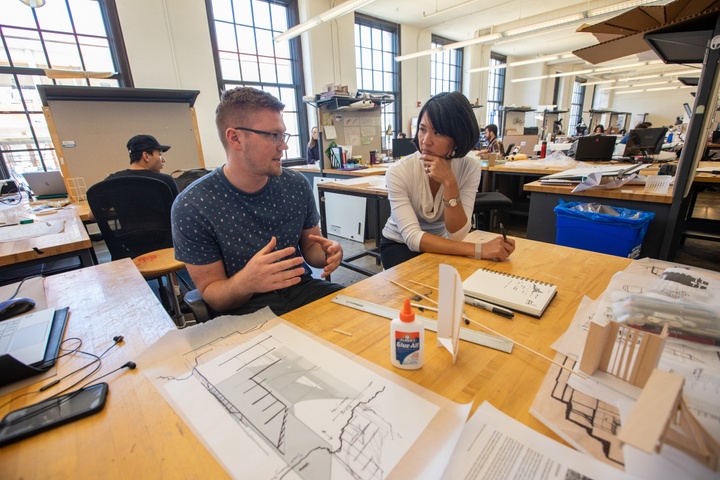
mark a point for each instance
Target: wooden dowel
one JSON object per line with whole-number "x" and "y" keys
{"x": 413, "y": 291}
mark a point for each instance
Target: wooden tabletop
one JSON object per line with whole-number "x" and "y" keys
{"x": 364, "y": 172}
{"x": 355, "y": 186}
{"x": 509, "y": 381}
{"x": 72, "y": 239}
{"x": 627, "y": 192}
{"x": 137, "y": 435}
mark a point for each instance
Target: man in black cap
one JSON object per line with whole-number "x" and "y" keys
{"x": 146, "y": 159}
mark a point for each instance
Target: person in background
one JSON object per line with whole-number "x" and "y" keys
{"x": 401, "y": 135}
{"x": 147, "y": 160}
{"x": 599, "y": 129}
{"x": 639, "y": 125}
{"x": 313, "y": 148}
{"x": 494, "y": 145}
{"x": 247, "y": 230}
{"x": 432, "y": 192}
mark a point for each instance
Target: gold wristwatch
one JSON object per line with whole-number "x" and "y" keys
{"x": 453, "y": 202}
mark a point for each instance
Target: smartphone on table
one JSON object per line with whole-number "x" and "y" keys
{"x": 53, "y": 412}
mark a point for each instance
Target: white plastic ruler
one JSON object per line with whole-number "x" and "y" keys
{"x": 466, "y": 334}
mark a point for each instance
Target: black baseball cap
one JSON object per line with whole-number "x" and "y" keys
{"x": 143, "y": 143}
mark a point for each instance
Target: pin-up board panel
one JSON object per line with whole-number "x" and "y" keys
{"x": 90, "y": 130}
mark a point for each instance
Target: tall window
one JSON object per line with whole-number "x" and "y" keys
{"x": 576, "y": 105}
{"x": 496, "y": 89}
{"x": 246, "y": 55}
{"x": 61, "y": 35}
{"x": 445, "y": 68}
{"x": 376, "y": 46}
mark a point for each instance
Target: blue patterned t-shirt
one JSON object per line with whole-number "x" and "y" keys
{"x": 212, "y": 220}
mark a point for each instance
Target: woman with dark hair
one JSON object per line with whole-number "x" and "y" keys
{"x": 432, "y": 192}
{"x": 599, "y": 129}
{"x": 313, "y": 150}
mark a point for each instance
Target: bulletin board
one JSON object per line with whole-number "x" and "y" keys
{"x": 90, "y": 127}
{"x": 361, "y": 129}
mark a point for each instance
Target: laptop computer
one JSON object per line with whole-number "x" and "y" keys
{"x": 595, "y": 147}
{"x": 32, "y": 345}
{"x": 26, "y": 337}
{"x": 46, "y": 184}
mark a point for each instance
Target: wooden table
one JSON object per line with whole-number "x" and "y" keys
{"x": 72, "y": 242}
{"x": 509, "y": 381}
{"x": 139, "y": 435}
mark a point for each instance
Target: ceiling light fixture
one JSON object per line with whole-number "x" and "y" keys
{"x": 545, "y": 58}
{"x": 617, "y": 7}
{"x": 449, "y": 46}
{"x": 33, "y": 3}
{"x": 599, "y": 82}
{"x": 335, "y": 12}
{"x": 542, "y": 25}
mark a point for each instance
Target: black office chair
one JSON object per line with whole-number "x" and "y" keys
{"x": 485, "y": 204}
{"x": 133, "y": 214}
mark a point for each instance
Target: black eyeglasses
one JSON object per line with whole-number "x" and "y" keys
{"x": 277, "y": 137}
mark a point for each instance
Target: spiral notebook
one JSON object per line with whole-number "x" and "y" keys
{"x": 521, "y": 294}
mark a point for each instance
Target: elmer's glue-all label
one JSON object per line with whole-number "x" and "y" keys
{"x": 407, "y": 340}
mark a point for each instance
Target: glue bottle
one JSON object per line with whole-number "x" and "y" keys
{"x": 407, "y": 340}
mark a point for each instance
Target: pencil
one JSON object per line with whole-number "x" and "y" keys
{"x": 502, "y": 230}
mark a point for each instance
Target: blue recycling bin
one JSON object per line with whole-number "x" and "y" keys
{"x": 602, "y": 228}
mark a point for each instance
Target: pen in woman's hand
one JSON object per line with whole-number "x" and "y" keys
{"x": 502, "y": 230}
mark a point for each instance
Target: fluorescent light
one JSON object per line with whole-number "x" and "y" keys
{"x": 298, "y": 29}
{"x": 527, "y": 79}
{"x": 546, "y": 58}
{"x": 599, "y": 82}
{"x": 567, "y": 74}
{"x": 623, "y": 92}
{"x": 33, "y": 3}
{"x": 542, "y": 25}
{"x": 410, "y": 56}
{"x": 472, "y": 41}
{"x": 449, "y": 46}
{"x": 339, "y": 11}
{"x": 489, "y": 67}
{"x": 658, "y": 89}
{"x": 627, "y": 67}
{"x": 617, "y": 7}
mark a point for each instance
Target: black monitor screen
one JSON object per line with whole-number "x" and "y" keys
{"x": 644, "y": 141}
{"x": 402, "y": 147}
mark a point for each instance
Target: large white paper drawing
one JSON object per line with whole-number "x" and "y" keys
{"x": 271, "y": 402}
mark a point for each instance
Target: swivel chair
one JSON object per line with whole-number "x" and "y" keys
{"x": 133, "y": 214}
{"x": 485, "y": 204}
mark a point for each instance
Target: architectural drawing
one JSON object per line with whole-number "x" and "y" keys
{"x": 273, "y": 403}
{"x": 586, "y": 423}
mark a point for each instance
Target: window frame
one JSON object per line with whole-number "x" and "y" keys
{"x": 298, "y": 77}
{"x": 449, "y": 60}
{"x": 492, "y": 114}
{"x": 118, "y": 54}
{"x": 576, "y": 108}
{"x": 395, "y": 107}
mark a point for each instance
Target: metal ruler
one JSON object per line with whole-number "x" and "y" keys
{"x": 466, "y": 334}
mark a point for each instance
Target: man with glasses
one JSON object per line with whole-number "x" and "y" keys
{"x": 146, "y": 159}
{"x": 247, "y": 230}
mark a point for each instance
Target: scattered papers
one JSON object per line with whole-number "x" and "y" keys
{"x": 494, "y": 445}
{"x": 594, "y": 182}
